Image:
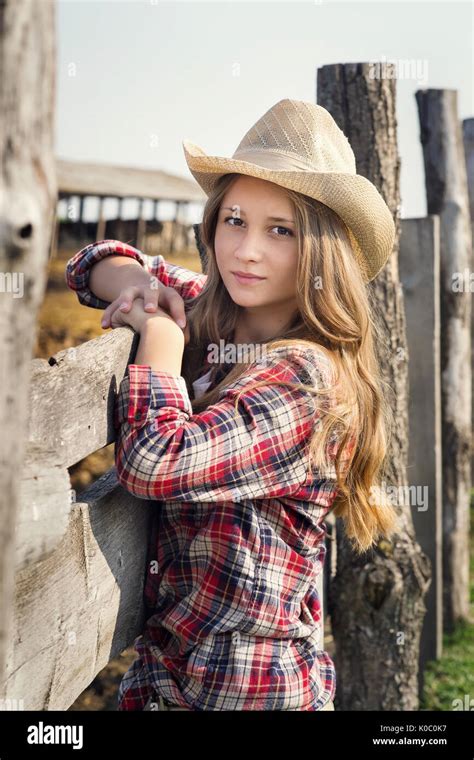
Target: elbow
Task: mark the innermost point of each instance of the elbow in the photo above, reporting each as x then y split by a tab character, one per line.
69	277
133	474
147	466
127	466
132	485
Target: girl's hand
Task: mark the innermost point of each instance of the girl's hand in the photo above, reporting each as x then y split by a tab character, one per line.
136	317
164	297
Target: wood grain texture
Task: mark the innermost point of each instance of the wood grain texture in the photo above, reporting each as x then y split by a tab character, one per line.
419	273
82	604
79	566
71	402
27	204
447	196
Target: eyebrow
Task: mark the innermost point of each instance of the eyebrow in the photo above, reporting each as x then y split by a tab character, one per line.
269	218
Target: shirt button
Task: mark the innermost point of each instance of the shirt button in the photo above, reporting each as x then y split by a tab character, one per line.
236	637
138	415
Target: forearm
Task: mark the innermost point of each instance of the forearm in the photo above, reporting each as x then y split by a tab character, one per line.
114	273
161	346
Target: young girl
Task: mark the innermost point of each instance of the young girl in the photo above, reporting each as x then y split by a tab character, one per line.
245	451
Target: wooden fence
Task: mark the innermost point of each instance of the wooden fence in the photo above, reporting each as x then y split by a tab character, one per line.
79	564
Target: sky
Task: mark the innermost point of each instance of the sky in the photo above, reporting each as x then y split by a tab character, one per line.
136	77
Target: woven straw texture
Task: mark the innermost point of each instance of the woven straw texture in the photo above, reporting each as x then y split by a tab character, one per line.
298	145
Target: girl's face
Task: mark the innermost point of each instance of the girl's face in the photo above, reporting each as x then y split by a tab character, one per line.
256	234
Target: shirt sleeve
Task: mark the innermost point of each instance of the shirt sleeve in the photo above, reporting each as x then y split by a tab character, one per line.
187	283
163	451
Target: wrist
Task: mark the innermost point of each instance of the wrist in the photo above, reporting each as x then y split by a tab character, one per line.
158	323
161	345
109	276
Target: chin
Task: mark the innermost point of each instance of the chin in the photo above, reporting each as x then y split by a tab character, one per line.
242	300
236	294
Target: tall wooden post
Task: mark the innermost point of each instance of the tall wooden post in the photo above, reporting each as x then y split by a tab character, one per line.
141	226
100	234
174	227
376	601
447	196
468	139
419	273
27	209
54	240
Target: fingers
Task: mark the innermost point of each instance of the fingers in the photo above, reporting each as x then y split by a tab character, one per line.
123	302
151	299
174	305
164	297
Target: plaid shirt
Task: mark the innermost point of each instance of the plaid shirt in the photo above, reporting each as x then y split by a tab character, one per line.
238	529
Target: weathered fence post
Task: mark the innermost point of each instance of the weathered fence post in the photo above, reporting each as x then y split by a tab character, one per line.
376	601
446	192
468	139
101	221
419	273
27	205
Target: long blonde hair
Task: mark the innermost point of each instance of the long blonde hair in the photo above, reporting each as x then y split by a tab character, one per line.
337	318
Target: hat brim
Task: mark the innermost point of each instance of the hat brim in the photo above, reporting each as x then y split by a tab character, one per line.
353	197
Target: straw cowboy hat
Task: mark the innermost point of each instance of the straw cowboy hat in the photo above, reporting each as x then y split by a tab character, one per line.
298	145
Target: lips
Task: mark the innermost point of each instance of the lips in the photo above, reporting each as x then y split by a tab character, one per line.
247	279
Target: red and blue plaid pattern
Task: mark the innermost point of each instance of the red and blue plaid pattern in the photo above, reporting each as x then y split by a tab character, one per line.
238	528
187	283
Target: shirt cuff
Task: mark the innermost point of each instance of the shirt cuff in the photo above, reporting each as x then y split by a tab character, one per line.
78	268
143	392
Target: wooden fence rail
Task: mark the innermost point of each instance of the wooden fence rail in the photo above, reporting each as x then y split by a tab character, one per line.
79	565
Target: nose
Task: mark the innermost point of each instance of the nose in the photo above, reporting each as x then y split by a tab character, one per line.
249	247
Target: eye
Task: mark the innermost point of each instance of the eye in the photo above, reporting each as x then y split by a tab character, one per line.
290	233
238	219
235	218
